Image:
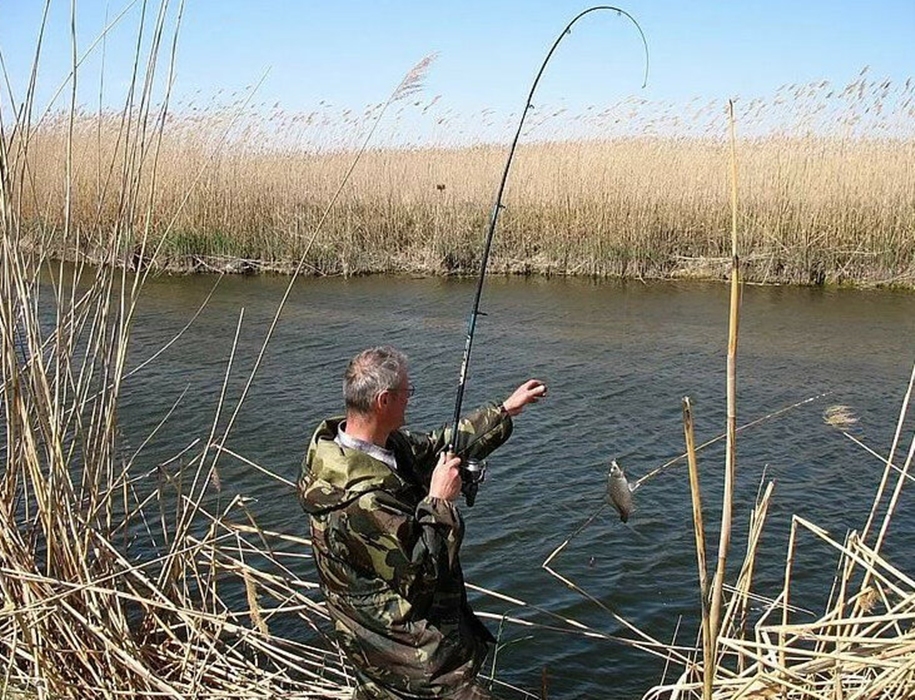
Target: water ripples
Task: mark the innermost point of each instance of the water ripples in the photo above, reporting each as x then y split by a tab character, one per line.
618	359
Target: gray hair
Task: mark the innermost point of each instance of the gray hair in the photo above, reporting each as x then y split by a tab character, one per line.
369	373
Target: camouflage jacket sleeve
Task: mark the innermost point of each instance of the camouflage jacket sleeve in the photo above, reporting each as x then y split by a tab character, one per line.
479	433
408	549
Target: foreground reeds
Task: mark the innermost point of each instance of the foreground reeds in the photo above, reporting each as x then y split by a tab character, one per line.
124	578
860	646
121	578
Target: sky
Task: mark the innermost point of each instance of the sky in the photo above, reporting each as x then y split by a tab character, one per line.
333	59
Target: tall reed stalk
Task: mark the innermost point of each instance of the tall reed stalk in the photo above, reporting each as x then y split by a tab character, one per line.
708	665
731	446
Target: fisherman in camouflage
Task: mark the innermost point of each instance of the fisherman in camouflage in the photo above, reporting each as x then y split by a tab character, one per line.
386	534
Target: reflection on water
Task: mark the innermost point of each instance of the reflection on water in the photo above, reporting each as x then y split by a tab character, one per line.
618	358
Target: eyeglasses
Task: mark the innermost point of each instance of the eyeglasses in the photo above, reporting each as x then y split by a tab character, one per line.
410	390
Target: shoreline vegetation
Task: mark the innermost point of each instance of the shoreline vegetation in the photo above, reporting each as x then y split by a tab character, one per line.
123	574
814	210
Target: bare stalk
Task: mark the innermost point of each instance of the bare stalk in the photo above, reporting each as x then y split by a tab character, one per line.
731	447
708	666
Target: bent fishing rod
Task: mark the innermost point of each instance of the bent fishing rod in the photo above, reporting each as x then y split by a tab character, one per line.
494	218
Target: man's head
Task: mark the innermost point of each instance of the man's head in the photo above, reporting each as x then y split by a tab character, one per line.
377	384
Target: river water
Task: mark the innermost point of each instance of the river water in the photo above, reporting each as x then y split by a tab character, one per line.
618	358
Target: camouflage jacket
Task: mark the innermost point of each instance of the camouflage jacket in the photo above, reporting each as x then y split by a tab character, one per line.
387	556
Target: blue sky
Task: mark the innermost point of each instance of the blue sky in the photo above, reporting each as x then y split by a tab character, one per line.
334	56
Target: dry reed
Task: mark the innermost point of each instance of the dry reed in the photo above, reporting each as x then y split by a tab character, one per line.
635	194
119	578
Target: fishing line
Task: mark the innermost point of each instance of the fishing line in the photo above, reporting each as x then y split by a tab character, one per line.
654	472
624	502
497	207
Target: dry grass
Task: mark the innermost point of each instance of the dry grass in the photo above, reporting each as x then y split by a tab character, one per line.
148	580
860	646
824	201
118	577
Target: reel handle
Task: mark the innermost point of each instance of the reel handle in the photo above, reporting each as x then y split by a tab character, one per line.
473	473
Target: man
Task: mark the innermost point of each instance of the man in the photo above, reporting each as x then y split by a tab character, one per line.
386	533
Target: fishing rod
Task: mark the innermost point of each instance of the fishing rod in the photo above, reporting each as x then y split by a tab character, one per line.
471	479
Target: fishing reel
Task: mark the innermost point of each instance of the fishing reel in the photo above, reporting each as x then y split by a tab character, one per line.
473	472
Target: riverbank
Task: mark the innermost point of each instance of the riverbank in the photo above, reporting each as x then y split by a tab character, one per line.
811	210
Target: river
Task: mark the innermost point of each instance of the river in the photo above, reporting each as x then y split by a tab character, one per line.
618	359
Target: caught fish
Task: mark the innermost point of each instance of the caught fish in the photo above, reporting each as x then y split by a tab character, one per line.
618	491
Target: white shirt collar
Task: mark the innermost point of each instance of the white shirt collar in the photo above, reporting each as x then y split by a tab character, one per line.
370	448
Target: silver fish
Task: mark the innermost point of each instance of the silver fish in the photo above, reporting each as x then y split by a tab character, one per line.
618	491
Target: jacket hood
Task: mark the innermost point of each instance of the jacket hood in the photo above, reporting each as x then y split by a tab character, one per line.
333	476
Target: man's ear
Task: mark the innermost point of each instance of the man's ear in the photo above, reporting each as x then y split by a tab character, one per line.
383	398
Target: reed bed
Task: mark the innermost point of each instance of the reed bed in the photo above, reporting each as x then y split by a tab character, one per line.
861	646
638	190
120	577
123	578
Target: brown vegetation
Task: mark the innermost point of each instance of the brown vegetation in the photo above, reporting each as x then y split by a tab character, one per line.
121	576
239	192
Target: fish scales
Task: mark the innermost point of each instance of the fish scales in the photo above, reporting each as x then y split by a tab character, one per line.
618	491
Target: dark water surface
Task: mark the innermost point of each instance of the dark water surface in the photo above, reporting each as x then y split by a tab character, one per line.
618	358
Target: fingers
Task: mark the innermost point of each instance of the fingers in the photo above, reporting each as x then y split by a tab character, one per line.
530	392
535	388
446	477
448	460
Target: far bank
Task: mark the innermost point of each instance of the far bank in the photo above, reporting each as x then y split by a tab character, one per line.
816	210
